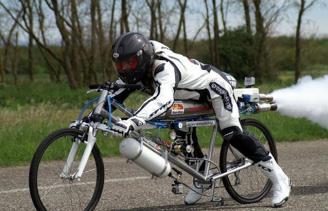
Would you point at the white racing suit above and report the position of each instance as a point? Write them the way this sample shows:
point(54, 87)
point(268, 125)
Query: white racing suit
point(174, 76)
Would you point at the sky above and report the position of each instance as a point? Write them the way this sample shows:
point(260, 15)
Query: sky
point(314, 23)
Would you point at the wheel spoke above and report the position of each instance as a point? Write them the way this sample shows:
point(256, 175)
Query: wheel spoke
point(50, 191)
point(248, 185)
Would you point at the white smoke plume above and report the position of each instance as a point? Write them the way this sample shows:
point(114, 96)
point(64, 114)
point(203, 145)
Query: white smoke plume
point(308, 98)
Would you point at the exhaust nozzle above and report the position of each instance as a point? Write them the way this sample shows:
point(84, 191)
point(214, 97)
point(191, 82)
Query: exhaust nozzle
point(267, 107)
point(265, 97)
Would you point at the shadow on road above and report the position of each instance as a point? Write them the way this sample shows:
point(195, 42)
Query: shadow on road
point(298, 190)
point(309, 190)
point(198, 206)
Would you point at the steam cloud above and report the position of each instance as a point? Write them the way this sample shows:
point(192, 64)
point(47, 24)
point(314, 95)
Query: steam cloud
point(308, 98)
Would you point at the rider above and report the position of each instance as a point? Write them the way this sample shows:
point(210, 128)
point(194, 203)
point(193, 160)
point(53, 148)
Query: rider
point(168, 76)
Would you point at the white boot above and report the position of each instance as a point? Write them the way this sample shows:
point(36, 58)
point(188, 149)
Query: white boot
point(195, 194)
point(281, 183)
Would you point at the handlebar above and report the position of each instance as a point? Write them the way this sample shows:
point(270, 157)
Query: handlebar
point(112, 86)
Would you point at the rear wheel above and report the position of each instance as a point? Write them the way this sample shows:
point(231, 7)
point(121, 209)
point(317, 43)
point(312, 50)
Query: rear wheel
point(49, 189)
point(248, 185)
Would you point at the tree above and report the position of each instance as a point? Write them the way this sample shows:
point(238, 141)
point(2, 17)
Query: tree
point(153, 20)
point(266, 13)
point(54, 71)
point(111, 40)
point(14, 59)
point(216, 35)
point(111, 26)
point(160, 21)
point(302, 6)
point(124, 24)
point(30, 22)
point(224, 6)
point(185, 39)
point(209, 37)
point(260, 38)
point(102, 45)
point(183, 5)
point(7, 64)
point(247, 16)
point(93, 41)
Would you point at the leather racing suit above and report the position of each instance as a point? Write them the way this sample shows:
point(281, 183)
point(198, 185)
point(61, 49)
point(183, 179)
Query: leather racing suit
point(175, 77)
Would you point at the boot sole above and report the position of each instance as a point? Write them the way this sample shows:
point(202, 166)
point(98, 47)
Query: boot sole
point(280, 203)
point(194, 202)
point(285, 199)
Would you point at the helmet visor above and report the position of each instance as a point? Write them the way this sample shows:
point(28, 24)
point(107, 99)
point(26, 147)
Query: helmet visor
point(127, 65)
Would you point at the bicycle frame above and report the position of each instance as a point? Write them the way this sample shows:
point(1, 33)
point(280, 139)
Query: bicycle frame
point(94, 127)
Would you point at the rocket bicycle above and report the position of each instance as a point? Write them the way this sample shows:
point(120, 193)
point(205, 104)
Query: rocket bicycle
point(67, 169)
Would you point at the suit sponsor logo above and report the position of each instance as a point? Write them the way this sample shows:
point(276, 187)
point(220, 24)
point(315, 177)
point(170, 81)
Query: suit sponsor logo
point(177, 108)
point(224, 94)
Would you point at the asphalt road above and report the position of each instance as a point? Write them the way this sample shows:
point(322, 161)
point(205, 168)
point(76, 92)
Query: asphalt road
point(127, 187)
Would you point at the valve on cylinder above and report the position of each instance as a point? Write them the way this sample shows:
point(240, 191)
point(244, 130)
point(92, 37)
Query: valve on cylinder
point(179, 145)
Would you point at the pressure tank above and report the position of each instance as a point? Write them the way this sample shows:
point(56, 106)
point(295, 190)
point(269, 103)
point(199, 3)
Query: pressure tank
point(146, 156)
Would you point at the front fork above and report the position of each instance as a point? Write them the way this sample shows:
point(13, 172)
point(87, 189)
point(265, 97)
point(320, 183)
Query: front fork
point(85, 157)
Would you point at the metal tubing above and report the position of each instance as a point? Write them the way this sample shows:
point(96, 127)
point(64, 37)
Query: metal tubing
point(181, 164)
point(122, 108)
point(86, 154)
point(219, 175)
point(101, 101)
point(210, 150)
point(70, 160)
point(184, 166)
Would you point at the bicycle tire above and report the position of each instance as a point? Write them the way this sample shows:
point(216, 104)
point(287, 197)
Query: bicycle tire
point(236, 191)
point(35, 178)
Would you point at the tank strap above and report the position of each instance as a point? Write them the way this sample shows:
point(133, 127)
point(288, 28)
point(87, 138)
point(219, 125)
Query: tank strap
point(166, 162)
point(141, 149)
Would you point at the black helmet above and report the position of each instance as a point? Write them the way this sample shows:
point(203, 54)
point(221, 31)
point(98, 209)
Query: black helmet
point(132, 55)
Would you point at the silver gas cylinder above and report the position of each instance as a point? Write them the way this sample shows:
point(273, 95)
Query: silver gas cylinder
point(146, 156)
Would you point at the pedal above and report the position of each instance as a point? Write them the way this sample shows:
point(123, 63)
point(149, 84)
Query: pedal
point(177, 187)
point(219, 201)
point(216, 199)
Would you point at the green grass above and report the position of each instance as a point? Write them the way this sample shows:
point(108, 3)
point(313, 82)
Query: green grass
point(286, 79)
point(284, 128)
point(22, 130)
point(30, 111)
point(40, 92)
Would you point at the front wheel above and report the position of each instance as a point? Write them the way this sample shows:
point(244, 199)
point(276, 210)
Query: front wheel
point(50, 189)
point(248, 185)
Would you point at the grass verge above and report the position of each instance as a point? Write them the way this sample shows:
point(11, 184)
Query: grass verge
point(30, 111)
point(23, 129)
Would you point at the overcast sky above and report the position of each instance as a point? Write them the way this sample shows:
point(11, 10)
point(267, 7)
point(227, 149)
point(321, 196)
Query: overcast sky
point(315, 20)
